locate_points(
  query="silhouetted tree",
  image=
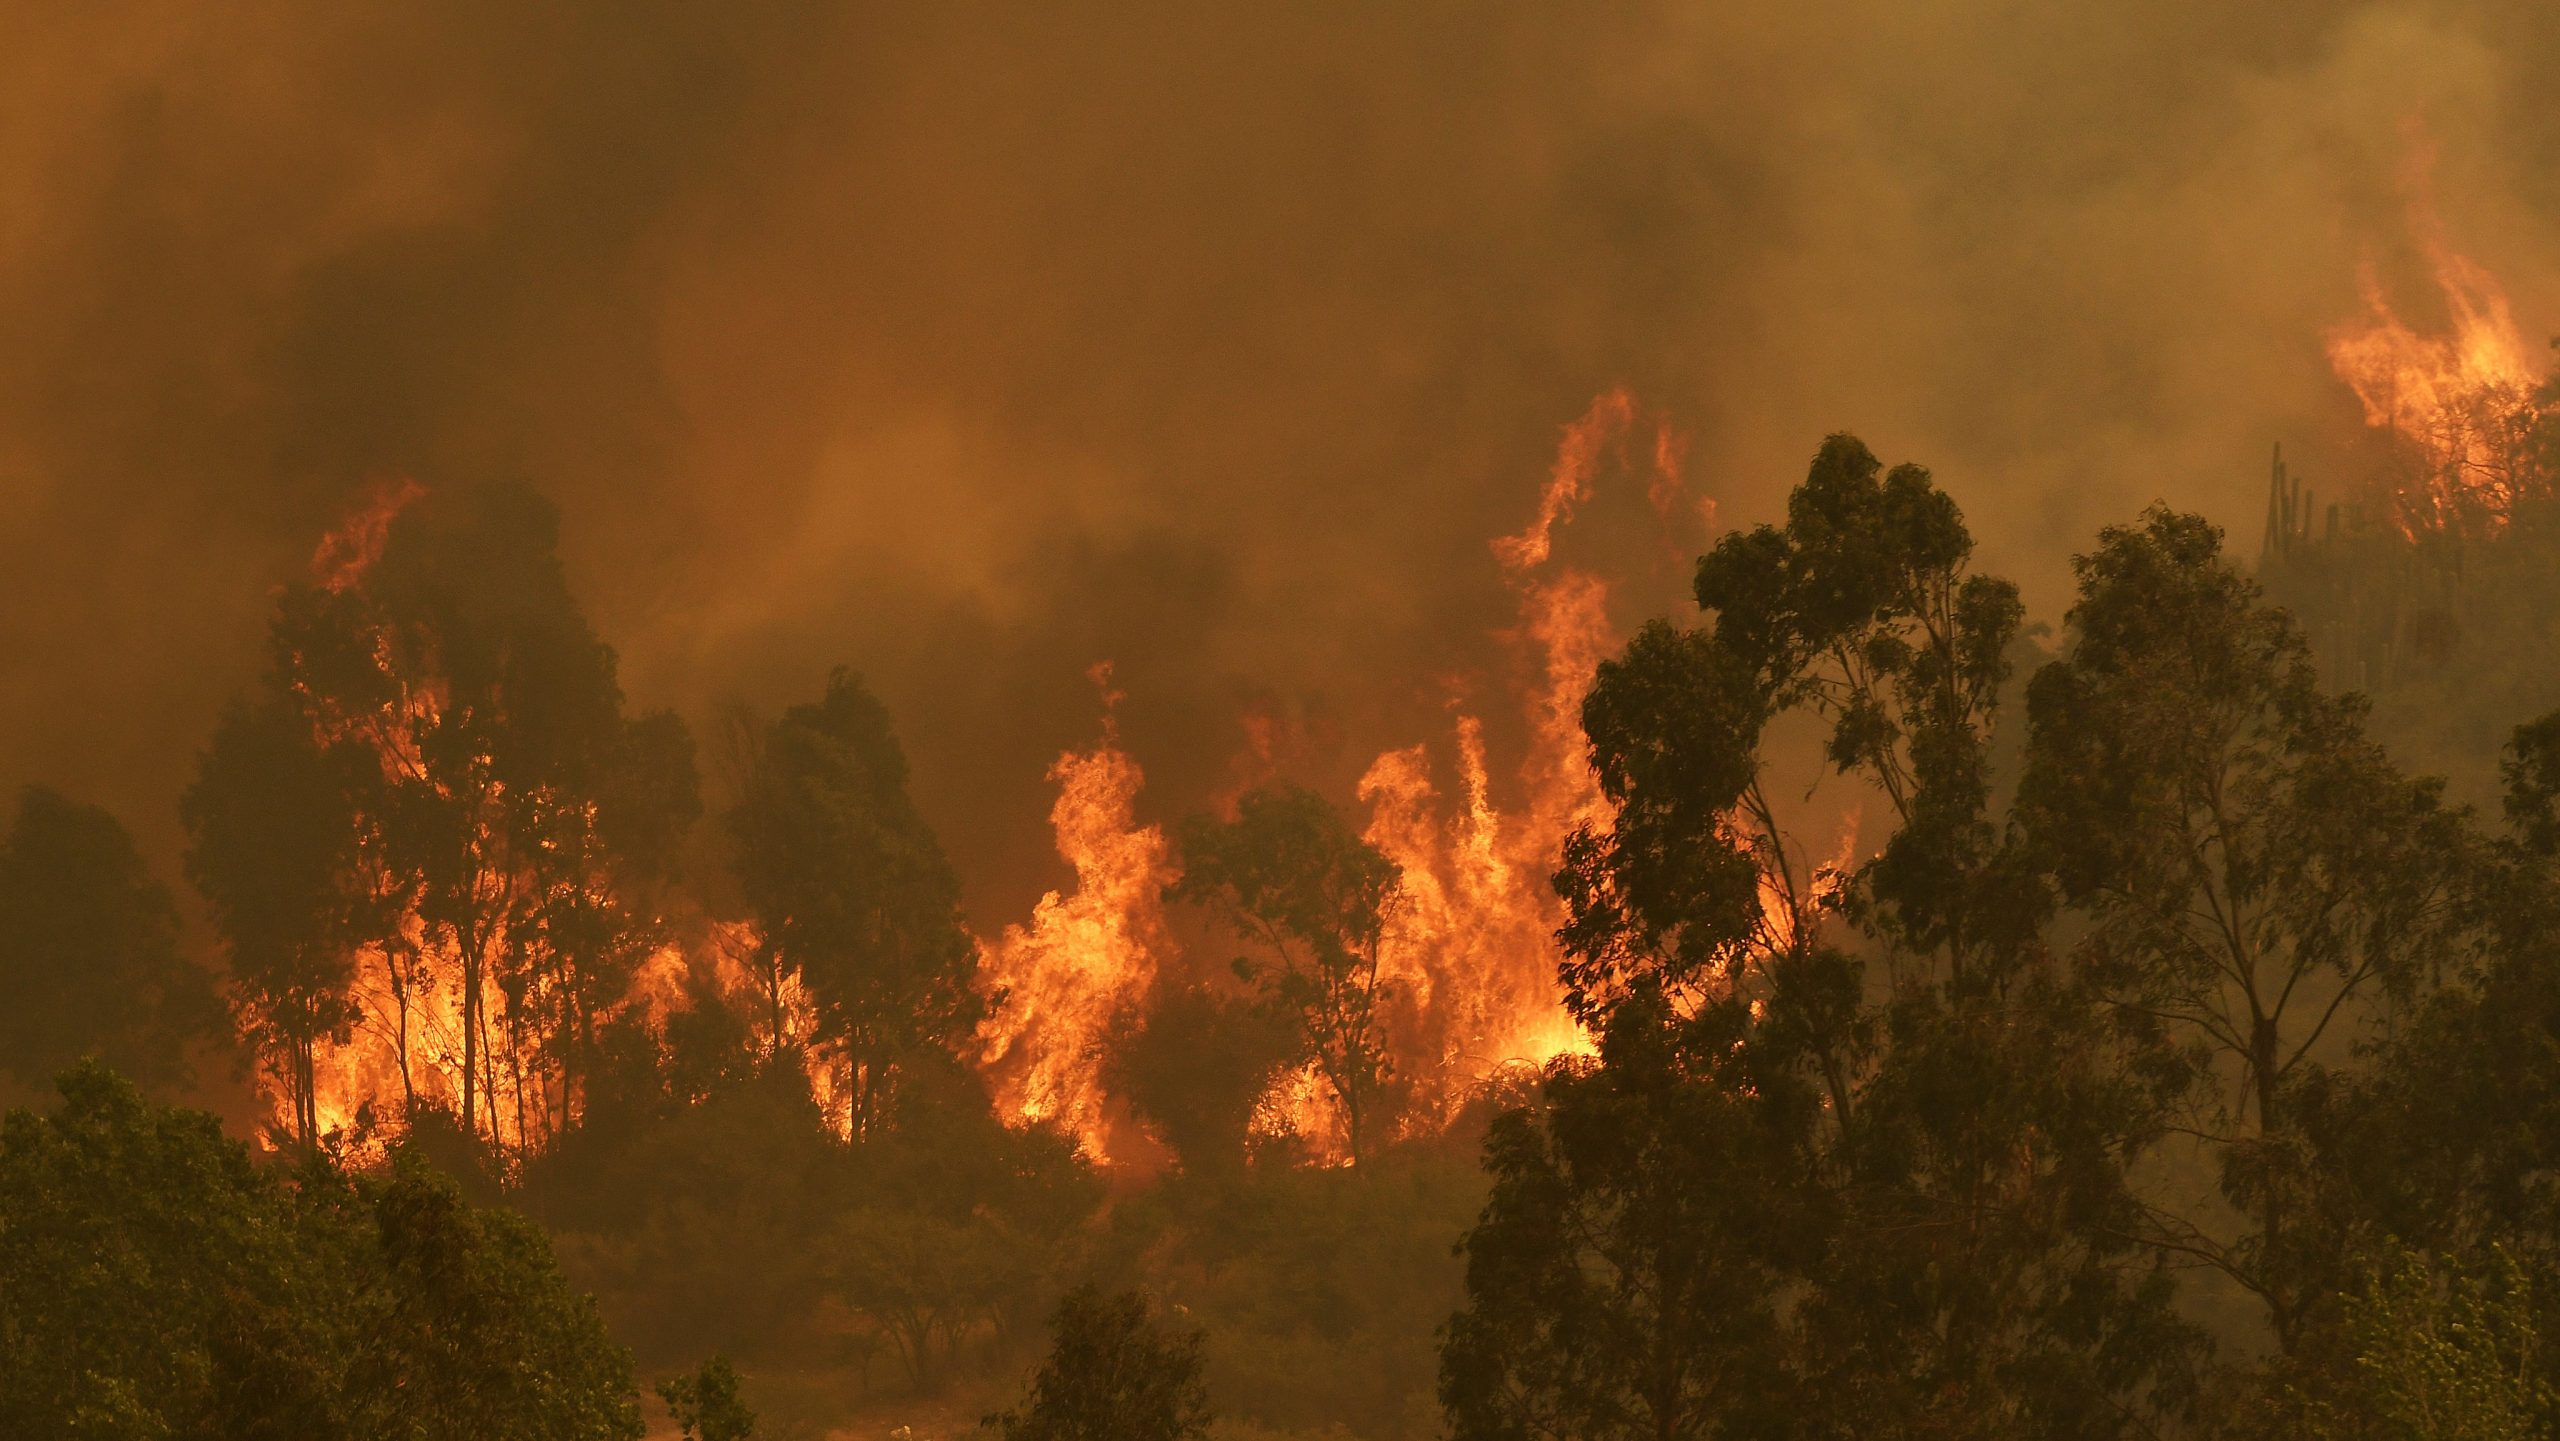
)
(706, 1404)
(1935, 1153)
(1290, 877)
(2444, 1132)
(155, 1280)
(274, 848)
(1195, 1064)
(1114, 1374)
(89, 960)
(852, 894)
(2255, 870)
(1624, 1280)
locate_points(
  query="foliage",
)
(1194, 1064)
(2254, 869)
(1928, 1164)
(155, 1280)
(1113, 1374)
(2433, 1351)
(956, 1227)
(1291, 877)
(89, 960)
(1319, 1288)
(1624, 1279)
(853, 896)
(699, 1222)
(706, 1404)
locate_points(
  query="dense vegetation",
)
(2175, 1064)
(2172, 1070)
(157, 1281)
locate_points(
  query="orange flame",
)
(1473, 939)
(1299, 1105)
(345, 554)
(2462, 401)
(1788, 915)
(406, 1045)
(1065, 978)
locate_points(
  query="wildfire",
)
(2462, 401)
(1788, 912)
(345, 554)
(1469, 952)
(1473, 941)
(460, 1002)
(1087, 954)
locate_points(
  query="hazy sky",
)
(971, 344)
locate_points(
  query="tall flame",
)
(1473, 939)
(2462, 400)
(1087, 953)
(1469, 950)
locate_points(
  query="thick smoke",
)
(971, 345)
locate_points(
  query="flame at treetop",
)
(2463, 402)
(346, 553)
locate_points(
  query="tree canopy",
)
(89, 957)
(853, 896)
(157, 1280)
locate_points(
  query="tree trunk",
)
(306, 1108)
(2271, 1211)
(470, 980)
(401, 981)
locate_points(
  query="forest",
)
(1326, 722)
(2169, 1056)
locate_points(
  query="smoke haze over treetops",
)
(970, 345)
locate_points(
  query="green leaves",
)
(1114, 1374)
(155, 1280)
(706, 1404)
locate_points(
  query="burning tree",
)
(2463, 407)
(480, 868)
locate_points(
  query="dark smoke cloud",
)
(972, 344)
